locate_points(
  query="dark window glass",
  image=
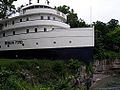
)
(20, 20)
(35, 29)
(53, 18)
(42, 18)
(27, 19)
(0, 46)
(45, 29)
(32, 7)
(5, 24)
(37, 6)
(27, 30)
(48, 17)
(3, 34)
(13, 23)
(41, 6)
(13, 32)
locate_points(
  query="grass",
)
(7, 61)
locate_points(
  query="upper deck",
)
(43, 9)
(35, 15)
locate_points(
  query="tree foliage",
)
(65, 9)
(72, 18)
(6, 8)
(107, 39)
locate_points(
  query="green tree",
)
(114, 39)
(113, 23)
(72, 18)
(65, 9)
(6, 8)
(107, 39)
(100, 35)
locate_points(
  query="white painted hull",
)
(54, 39)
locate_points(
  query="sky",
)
(88, 10)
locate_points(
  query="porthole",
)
(54, 42)
(70, 41)
(36, 43)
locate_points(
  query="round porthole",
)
(54, 42)
(70, 41)
(36, 43)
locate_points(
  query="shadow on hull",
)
(85, 54)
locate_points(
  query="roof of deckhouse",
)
(34, 6)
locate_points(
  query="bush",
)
(39, 75)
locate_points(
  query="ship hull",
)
(80, 53)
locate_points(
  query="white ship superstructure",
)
(41, 31)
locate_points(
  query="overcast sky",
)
(88, 10)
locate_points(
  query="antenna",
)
(91, 12)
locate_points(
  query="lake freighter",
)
(40, 31)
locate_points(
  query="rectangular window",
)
(3, 34)
(5, 24)
(45, 29)
(13, 32)
(35, 29)
(13, 23)
(27, 19)
(48, 17)
(53, 18)
(20, 20)
(42, 18)
(27, 30)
